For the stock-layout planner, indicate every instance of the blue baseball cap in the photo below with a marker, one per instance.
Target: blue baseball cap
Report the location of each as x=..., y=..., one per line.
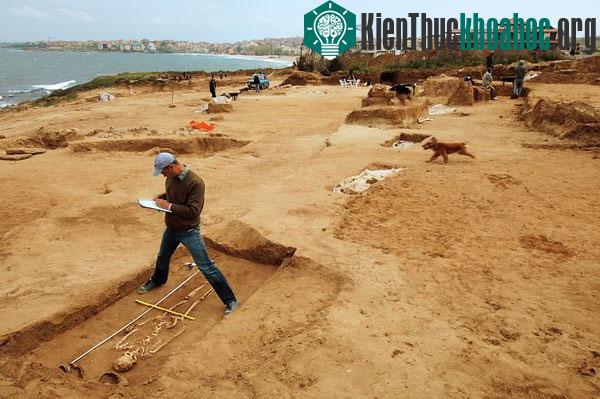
x=161, y=161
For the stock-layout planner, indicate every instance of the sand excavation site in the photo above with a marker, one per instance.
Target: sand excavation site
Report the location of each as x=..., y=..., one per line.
x=475, y=279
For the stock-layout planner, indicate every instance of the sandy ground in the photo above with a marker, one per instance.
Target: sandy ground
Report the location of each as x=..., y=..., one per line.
x=478, y=279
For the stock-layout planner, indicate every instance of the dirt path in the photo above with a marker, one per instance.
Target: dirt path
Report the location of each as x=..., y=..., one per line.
x=475, y=279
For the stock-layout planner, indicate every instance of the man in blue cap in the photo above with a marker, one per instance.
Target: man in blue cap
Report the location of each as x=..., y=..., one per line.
x=184, y=198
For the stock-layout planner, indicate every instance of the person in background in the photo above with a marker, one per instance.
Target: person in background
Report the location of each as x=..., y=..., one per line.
x=520, y=72
x=489, y=61
x=212, y=85
x=487, y=83
x=257, y=82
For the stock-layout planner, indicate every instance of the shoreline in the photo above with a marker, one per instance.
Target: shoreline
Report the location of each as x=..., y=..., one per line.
x=287, y=58
x=14, y=96
x=88, y=85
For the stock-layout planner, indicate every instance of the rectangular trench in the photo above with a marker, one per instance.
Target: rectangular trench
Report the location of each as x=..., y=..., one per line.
x=244, y=276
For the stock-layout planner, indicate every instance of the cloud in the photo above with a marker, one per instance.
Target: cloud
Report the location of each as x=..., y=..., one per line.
x=24, y=11
x=83, y=16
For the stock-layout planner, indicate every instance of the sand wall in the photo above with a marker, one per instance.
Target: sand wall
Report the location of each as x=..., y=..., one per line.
x=566, y=119
x=401, y=116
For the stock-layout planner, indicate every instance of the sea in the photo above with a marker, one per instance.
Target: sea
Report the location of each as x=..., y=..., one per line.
x=28, y=75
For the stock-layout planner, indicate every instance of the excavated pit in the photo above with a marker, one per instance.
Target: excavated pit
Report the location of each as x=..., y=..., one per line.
x=185, y=145
x=245, y=257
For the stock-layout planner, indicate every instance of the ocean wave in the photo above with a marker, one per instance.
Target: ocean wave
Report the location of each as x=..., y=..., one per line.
x=4, y=105
x=57, y=86
x=19, y=91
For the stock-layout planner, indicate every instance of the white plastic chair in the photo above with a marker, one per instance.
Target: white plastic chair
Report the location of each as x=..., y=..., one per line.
x=343, y=83
x=357, y=83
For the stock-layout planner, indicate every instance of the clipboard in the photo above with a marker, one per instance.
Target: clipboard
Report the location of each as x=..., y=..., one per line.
x=150, y=204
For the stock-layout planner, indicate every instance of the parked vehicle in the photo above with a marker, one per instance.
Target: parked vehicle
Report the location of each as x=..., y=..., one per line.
x=264, y=81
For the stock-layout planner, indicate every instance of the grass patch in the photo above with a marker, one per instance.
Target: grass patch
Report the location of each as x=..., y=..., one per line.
x=462, y=59
x=71, y=93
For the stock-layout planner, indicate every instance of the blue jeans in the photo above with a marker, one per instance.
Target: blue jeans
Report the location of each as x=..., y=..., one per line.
x=192, y=240
x=518, y=86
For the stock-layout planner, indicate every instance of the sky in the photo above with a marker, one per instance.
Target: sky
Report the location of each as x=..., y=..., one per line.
x=232, y=20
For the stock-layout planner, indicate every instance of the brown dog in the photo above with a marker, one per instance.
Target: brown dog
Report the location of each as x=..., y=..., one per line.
x=444, y=149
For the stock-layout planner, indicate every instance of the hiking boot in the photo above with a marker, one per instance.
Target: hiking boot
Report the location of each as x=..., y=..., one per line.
x=229, y=309
x=147, y=286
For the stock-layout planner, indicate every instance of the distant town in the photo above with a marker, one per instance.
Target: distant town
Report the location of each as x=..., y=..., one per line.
x=270, y=46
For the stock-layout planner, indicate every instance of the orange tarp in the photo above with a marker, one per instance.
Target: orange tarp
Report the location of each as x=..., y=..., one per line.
x=205, y=126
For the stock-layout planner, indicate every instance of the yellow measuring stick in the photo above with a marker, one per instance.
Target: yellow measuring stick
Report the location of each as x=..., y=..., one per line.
x=165, y=310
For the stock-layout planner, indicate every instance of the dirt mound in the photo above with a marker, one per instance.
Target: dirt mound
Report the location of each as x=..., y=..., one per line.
x=463, y=95
x=410, y=137
x=279, y=73
x=563, y=146
x=382, y=105
x=335, y=77
x=14, y=157
x=455, y=89
x=47, y=139
x=31, y=151
x=369, y=101
x=214, y=108
x=402, y=115
x=574, y=120
x=407, y=75
x=20, y=153
x=481, y=93
x=299, y=78
x=239, y=239
x=178, y=145
x=581, y=71
x=589, y=64
x=379, y=95
x=440, y=86
x=52, y=139
x=380, y=91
